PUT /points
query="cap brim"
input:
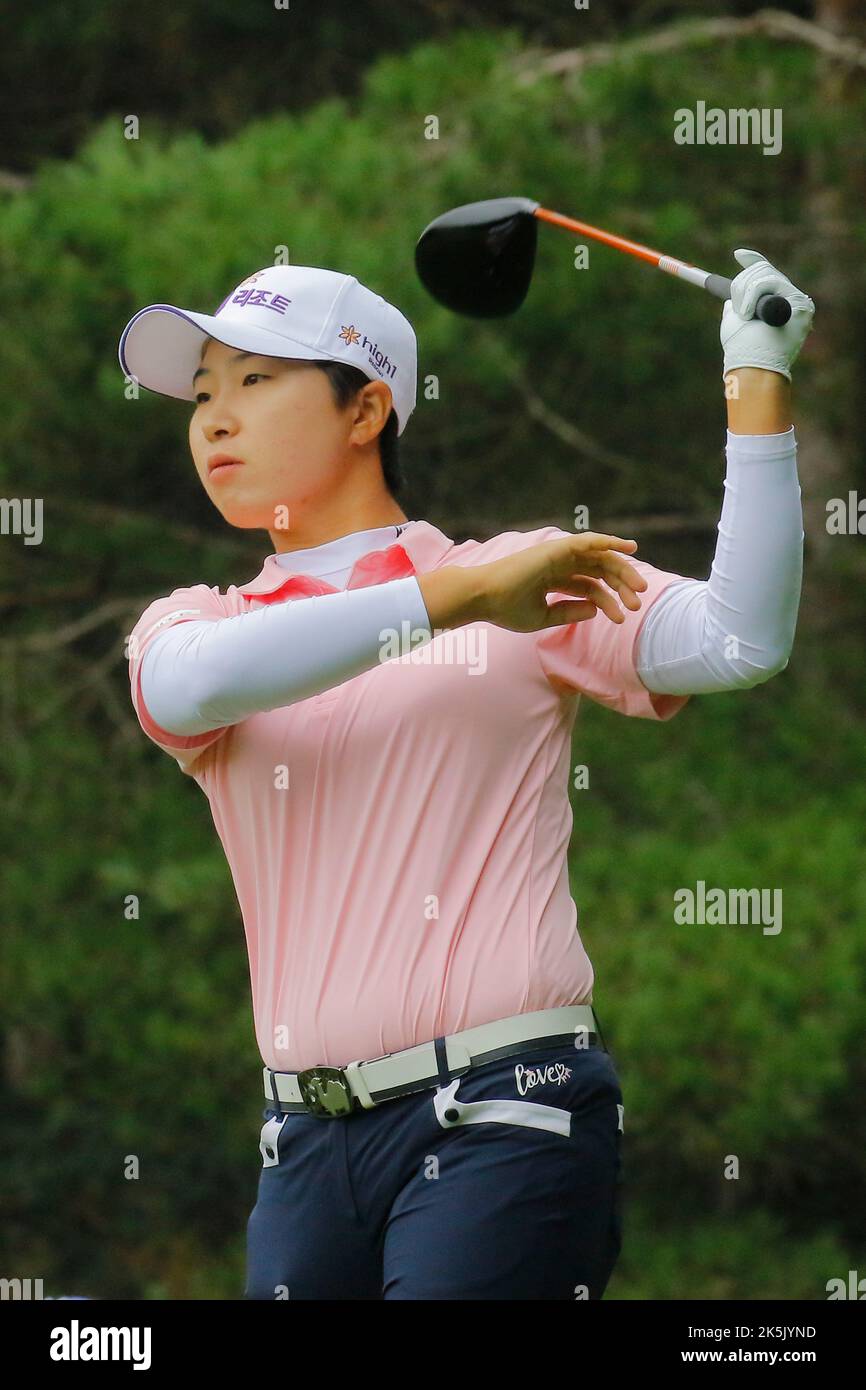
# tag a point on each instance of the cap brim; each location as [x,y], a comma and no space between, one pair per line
[161,346]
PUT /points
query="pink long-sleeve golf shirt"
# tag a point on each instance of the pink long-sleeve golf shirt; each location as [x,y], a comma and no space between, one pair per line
[398,844]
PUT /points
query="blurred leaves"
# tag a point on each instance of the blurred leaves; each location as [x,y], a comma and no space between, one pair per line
[127,1036]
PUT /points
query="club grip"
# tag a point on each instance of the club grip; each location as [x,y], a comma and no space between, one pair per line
[774,309]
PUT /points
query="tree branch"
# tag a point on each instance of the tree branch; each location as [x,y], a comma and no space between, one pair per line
[13,183]
[70,632]
[101,512]
[775,24]
[660,524]
[93,675]
[563,429]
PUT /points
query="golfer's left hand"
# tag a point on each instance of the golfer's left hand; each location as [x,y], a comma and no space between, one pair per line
[749,342]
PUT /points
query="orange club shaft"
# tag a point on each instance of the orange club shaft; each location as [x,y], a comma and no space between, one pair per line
[633,248]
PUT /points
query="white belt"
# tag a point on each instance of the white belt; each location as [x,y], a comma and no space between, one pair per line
[332,1091]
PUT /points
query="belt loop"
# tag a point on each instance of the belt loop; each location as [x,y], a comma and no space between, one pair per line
[358,1085]
[273,1081]
[442,1061]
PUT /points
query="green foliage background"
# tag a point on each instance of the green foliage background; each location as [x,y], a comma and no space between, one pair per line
[134,1036]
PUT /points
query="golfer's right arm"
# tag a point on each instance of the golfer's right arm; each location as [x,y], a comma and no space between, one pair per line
[201,675]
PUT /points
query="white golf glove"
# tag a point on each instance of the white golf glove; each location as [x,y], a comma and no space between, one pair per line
[749,342]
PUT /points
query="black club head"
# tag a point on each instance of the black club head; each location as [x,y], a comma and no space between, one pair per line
[478,259]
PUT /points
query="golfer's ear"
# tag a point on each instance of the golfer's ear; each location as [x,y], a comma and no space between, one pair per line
[373,406]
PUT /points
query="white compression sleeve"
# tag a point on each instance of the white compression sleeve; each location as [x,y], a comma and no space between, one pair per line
[753,592]
[203,675]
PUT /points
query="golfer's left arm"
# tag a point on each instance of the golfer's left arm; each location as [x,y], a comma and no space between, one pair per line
[736,629]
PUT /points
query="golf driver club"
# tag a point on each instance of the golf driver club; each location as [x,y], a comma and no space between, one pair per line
[478,259]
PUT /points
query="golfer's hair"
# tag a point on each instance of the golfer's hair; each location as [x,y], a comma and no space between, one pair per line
[346,381]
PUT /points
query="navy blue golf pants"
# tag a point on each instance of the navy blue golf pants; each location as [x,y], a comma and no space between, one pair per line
[504,1183]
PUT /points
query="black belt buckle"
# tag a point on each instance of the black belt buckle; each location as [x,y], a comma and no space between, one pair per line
[326,1092]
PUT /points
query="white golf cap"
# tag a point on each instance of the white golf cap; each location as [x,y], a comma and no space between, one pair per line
[281,311]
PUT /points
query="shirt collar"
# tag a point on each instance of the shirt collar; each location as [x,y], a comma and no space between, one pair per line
[425,545]
[338,556]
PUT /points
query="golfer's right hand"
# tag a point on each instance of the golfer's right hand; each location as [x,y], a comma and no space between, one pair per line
[590,565]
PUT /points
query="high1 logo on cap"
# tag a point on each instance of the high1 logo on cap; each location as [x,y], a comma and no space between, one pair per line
[380,360]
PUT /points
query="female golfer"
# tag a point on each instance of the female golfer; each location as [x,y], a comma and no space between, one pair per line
[381,720]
